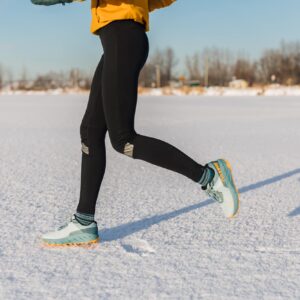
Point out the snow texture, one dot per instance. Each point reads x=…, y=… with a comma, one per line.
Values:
x=161, y=237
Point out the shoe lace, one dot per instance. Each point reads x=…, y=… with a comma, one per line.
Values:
x=217, y=196
x=65, y=225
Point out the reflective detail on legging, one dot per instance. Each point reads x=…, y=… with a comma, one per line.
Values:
x=85, y=149
x=128, y=149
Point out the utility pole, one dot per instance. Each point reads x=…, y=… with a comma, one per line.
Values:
x=206, y=71
x=157, y=67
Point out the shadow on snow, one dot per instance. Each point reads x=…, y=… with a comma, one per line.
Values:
x=121, y=231
x=295, y=212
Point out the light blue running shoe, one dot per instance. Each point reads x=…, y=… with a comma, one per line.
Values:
x=72, y=234
x=222, y=188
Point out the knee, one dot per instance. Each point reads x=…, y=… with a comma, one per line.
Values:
x=123, y=144
x=83, y=133
x=92, y=138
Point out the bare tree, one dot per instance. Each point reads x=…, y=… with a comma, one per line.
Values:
x=193, y=66
x=244, y=69
x=74, y=77
x=9, y=77
x=219, y=63
x=160, y=67
x=24, y=79
x=147, y=75
x=171, y=62
x=290, y=63
x=270, y=66
x=158, y=61
x=281, y=65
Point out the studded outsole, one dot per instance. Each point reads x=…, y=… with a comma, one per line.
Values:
x=90, y=244
x=230, y=168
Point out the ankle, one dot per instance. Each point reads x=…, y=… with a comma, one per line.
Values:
x=207, y=176
x=84, y=218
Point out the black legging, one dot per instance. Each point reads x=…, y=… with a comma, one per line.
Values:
x=112, y=105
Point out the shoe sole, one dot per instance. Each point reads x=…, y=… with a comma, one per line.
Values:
x=89, y=244
x=230, y=168
x=225, y=164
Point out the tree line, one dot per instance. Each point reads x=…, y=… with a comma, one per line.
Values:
x=75, y=79
x=218, y=67
x=209, y=67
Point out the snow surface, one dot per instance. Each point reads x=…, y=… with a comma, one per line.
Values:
x=161, y=237
x=272, y=90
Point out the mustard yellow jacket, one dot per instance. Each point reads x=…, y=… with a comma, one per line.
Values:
x=106, y=11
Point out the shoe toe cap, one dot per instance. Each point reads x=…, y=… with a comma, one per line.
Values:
x=48, y=236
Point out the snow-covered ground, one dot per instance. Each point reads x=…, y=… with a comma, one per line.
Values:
x=161, y=237
x=270, y=90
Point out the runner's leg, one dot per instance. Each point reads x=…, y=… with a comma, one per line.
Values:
x=92, y=130
x=126, y=47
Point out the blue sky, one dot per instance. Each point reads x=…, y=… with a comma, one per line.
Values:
x=58, y=38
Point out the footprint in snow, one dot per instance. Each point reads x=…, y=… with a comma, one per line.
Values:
x=137, y=246
x=278, y=250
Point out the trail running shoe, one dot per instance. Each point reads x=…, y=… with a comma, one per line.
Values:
x=222, y=188
x=72, y=234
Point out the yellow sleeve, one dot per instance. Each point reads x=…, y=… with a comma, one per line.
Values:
x=155, y=4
